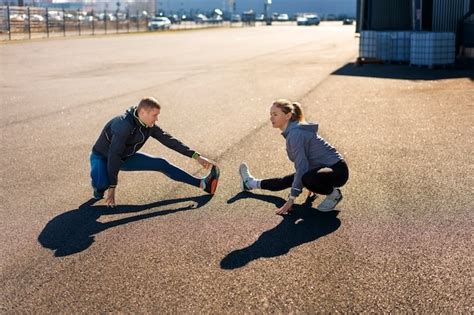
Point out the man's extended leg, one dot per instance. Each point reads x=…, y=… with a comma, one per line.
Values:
x=145, y=162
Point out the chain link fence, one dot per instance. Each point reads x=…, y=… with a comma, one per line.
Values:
x=33, y=22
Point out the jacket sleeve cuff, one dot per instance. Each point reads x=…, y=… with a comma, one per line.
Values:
x=295, y=192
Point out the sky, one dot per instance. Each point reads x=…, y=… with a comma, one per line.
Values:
x=321, y=7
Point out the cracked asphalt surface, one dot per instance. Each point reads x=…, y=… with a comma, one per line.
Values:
x=400, y=241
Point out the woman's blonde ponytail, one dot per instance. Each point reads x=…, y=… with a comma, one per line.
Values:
x=290, y=107
x=298, y=112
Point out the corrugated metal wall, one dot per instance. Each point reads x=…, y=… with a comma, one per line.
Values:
x=358, y=17
x=385, y=15
x=390, y=14
x=447, y=14
x=468, y=31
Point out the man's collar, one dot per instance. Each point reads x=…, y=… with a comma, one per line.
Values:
x=135, y=114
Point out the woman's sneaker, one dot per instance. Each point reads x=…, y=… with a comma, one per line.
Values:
x=211, y=180
x=245, y=177
x=330, y=202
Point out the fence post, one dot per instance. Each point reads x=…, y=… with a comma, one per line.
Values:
x=9, y=25
x=29, y=21
x=128, y=20
x=105, y=21
x=93, y=20
x=78, y=22
x=47, y=23
x=64, y=22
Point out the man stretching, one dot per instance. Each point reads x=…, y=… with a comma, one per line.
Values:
x=117, y=149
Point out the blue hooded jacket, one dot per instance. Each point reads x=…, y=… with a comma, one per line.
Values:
x=124, y=135
x=307, y=150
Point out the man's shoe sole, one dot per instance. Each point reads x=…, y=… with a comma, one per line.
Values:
x=214, y=181
x=213, y=186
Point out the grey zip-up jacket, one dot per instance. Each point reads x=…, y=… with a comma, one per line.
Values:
x=307, y=150
x=124, y=135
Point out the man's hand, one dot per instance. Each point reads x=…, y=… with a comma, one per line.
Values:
x=205, y=162
x=110, y=201
x=286, y=207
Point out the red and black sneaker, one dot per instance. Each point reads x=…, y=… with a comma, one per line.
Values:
x=212, y=180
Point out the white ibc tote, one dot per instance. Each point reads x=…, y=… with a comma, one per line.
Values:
x=432, y=48
x=401, y=46
x=368, y=44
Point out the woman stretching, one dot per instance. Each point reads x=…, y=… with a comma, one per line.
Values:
x=318, y=165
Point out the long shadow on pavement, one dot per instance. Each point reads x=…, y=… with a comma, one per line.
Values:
x=403, y=72
x=73, y=231
x=303, y=225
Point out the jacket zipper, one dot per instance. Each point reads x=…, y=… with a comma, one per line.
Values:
x=134, y=148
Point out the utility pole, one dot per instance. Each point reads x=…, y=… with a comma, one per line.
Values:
x=232, y=5
x=266, y=8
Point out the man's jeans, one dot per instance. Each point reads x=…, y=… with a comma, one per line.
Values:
x=138, y=162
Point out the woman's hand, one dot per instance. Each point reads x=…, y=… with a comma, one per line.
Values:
x=286, y=207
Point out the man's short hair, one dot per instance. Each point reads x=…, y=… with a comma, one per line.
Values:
x=148, y=103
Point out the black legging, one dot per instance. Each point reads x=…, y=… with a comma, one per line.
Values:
x=318, y=180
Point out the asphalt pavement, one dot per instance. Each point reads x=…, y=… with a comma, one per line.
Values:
x=400, y=241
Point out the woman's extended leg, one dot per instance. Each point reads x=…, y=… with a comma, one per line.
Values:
x=249, y=182
x=277, y=183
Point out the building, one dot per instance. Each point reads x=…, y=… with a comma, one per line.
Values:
x=413, y=15
x=421, y=32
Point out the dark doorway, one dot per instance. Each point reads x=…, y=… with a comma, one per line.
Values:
x=427, y=15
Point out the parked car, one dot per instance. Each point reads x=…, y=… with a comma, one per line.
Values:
x=108, y=17
x=71, y=17
x=260, y=17
x=174, y=19
x=159, y=23
x=235, y=18
x=308, y=20
x=216, y=19
x=37, y=18
x=18, y=17
x=200, y=18
x=89, y=18
x=283, y=17
x=347, y=22
x=301, y=20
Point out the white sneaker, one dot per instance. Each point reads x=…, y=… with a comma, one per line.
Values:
x=245, y=177
x=330, y=202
